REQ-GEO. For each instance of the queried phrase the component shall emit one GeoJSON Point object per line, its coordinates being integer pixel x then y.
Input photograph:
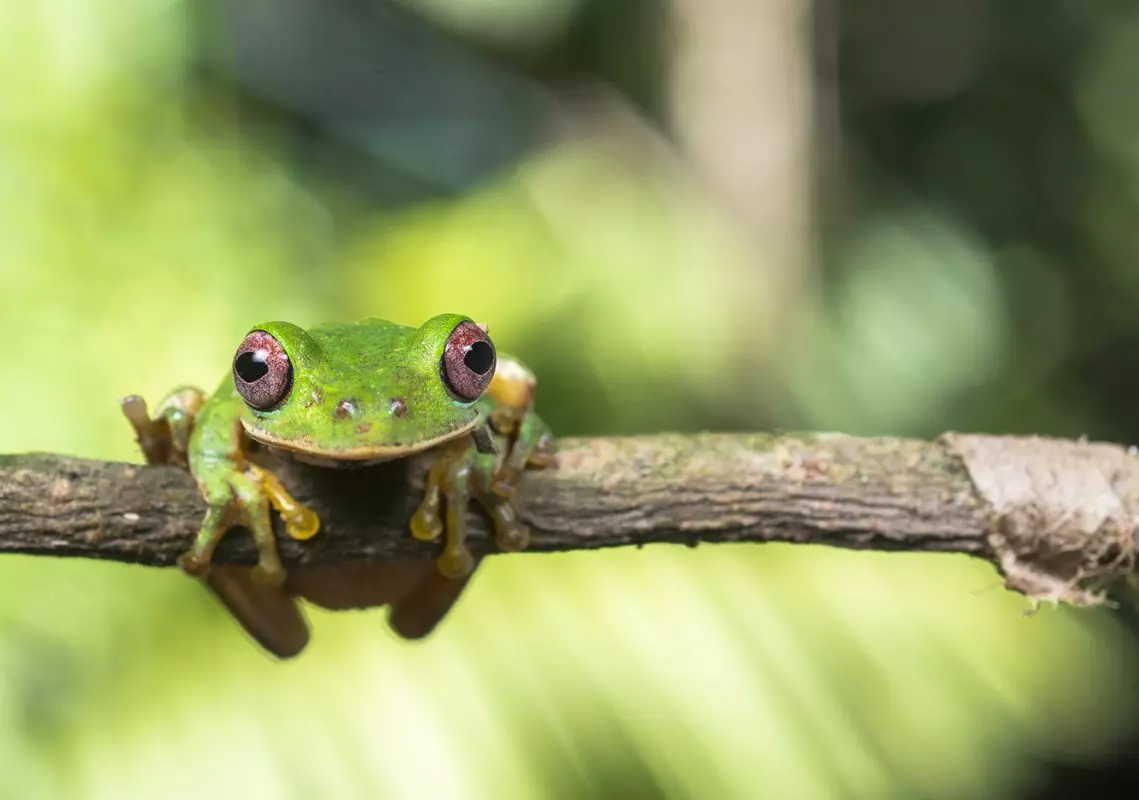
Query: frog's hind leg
{"type": "Point", "coordinates": [238, 492]}
{"type": "Point", "coordinates": [267, 613]}
{"type": "Point", "coordinates": [419, 612]}
{"type": "Point", "coordinates": [464, 472]}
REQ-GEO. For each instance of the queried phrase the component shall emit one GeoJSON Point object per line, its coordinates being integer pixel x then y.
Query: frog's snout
{"type": "Point", "coordinates": [373, 421]}
{"type": "Point", "coordinates": [349, 408]}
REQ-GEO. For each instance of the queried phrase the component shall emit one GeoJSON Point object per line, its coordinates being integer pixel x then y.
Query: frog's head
{"type": "Point", "coordinates": [369, 391]}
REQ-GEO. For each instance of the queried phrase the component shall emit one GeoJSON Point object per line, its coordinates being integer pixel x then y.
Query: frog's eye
{"type": "Point", "coordinates": [262, 371]}
{"type": "Point", "coordinates": [468, 362]}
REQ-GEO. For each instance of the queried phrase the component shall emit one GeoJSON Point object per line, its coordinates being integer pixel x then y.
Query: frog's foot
{"type": "Point", "coordinates": [193, 564]}
{"type": "Point", "coordinates": [532, 448]}
{"type": "Point", "coordinates": [544, 453]}
{"type": "Point", "coordinates": [510, 534]}
{"type": "Point", "coordinates": [244, 496]}
{"type": "Point", "coordinates": [165, 437]}
{"type": "Point", "coordinates": [218, 520]}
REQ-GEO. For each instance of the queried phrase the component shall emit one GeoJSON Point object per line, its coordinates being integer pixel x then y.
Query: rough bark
{"type": "Point", "coordinates": [1057, 518]}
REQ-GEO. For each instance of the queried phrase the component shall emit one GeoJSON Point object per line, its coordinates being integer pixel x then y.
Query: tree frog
{"type": "Point", "coordinates": [345, 394]}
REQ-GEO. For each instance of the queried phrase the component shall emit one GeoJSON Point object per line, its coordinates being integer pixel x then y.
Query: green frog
{"type": "Point", "coordinates": [345, 394]}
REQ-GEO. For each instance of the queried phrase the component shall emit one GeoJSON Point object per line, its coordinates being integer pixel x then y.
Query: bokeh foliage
{"type": "Point", "coordinates": [161, 190]}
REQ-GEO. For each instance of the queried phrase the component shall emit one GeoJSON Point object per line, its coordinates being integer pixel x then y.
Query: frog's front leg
{"type": "Point", "coordinates": [449, 484]}
{"type": "Point", "coordinates": [165, 437]}
{"type": "Point", "coordinates": [234, 490]}
{"type": "Point", "coordinates": [234, 496]}
{"type": "Point", "coordinates": [529, 445]}
{"type": "Point", "coordinates": [463, 473]}
{"type": "Point", "coordinates": [239, 492]}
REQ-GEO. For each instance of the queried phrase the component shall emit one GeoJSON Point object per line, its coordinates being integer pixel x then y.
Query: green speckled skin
{"type": "Point", "coordinates": [361, 392]}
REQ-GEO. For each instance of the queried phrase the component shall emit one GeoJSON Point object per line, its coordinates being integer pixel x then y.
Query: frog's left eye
{"type": "Point", "coordinates": [468, 362]}
{"type": "Point", "coordinates": [262, 372]}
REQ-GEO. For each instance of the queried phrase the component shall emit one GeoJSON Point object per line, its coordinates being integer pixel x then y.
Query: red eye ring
{"type": "Point", "coordinates": [468, 363]}
{"type": "Point", "coordinates": [262, 372]}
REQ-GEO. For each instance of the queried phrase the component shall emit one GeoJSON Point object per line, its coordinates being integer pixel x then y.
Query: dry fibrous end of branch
{"type": "Point", "coordinates": [1057, 518]}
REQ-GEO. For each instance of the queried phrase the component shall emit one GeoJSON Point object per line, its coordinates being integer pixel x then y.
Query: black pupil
{"type": "Point", "coordinates": [251, 365]}
{"type": "Point", "coordinates": [479, 358]}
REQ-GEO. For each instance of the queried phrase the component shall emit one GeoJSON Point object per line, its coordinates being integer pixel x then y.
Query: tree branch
{"type": "Point", "coordinates": [1057, 518]}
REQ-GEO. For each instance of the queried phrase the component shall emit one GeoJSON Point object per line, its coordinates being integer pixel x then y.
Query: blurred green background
{"type": "Point", "coordinates": [878, 217]}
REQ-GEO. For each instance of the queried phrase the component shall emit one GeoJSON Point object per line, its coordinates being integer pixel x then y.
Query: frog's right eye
{"type": "Point", "coordinates": [262, 371]}
{"type": "Point", "coordinates": [468, 362]}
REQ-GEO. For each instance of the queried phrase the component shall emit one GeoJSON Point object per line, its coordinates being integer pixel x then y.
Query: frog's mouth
{"type": "Point", "coordinates": [359, 455]}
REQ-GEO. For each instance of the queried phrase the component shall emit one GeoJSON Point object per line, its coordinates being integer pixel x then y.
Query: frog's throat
{"type": "Point", "coordinates": [371, 453]}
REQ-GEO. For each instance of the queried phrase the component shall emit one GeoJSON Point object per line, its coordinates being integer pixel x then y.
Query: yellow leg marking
{"type": "Point", "coordinates": [456, 561]}
{"type": "Point", "coordinates": [425, 523]}
{"type": "Point", "coordinates": [449, 479]}
{"type": "Point", "coordinates": [301, 522]}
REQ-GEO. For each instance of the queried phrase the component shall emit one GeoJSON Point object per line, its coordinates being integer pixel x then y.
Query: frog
{"type": "Point", "coordinates": [344, 395]}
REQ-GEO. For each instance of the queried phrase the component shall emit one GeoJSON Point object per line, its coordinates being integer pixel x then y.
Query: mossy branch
{"type": "Point", "coordinates": [1057, 518]}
